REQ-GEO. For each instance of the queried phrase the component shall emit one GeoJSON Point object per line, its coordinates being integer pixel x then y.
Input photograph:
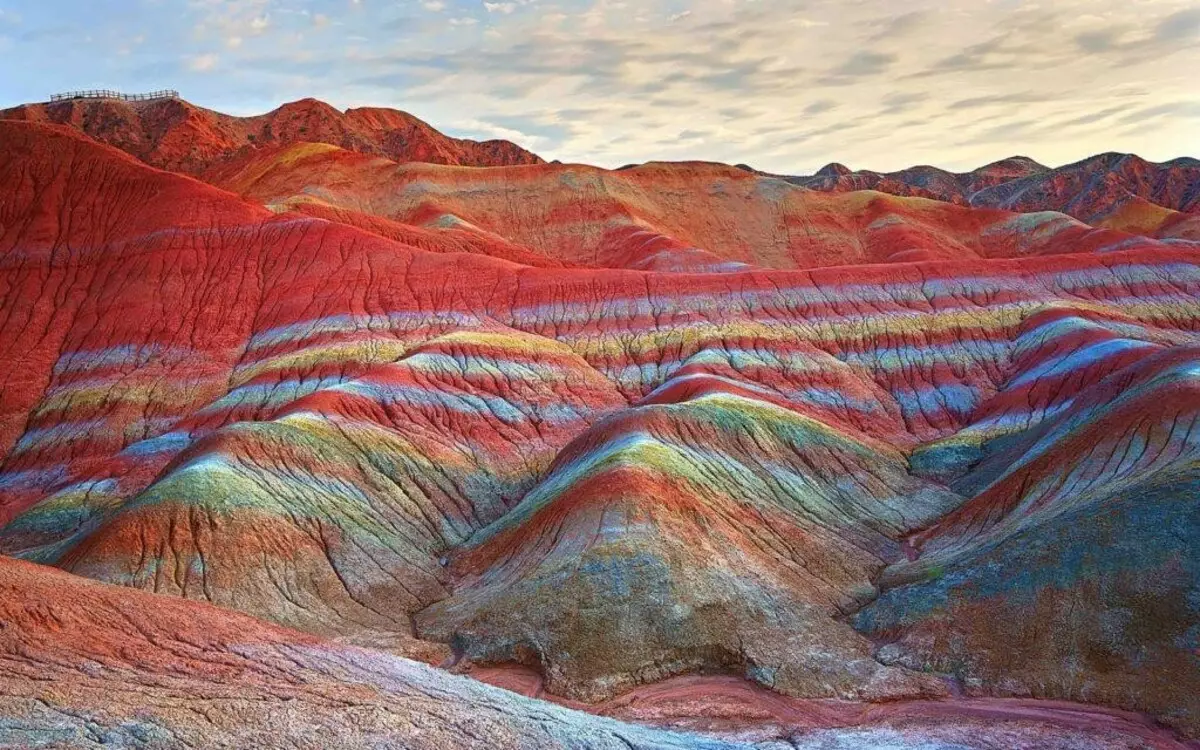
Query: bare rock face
{"type": "Point", "coordinates": [691, 217]}
{"type": "Point", "coordinates": [1118, 191]}
{"type": "Point", "coordinates": [176, 135]}
{"type": "Point", "coordinates": [669, 541]}
{"type": "Point", "coordinates": [88, 665]}
{"type": "Point", "coordinates": [683, 443]}
{"type": "Point", "coordinates": [1086, 521]}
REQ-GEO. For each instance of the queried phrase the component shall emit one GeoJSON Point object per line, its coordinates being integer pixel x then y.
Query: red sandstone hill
{"type": "Point", "coordinates": [1121, 191]}
{"type": "Point", "coordinates": [179, 136]}
{"type": "Point", "coordinates": [660, 216]}
{"type": "Point", "coordinates": [918, 494]}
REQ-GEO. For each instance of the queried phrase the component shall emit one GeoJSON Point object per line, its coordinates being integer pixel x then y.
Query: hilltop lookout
{"type": "Point", "coordinates": [109, 94]}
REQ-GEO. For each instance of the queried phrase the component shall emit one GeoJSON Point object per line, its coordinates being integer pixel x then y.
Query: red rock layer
{"type": "Point", "coordinates": [612, 475]}
{"type": "Point", "coordinates": [1112, 190]}
{"type": "Point", "coordinates": [697, 217]}
{"type": "Point", "coordinates": [84, 664]}
{"type": "Point", "coordinates": [173, 134]}
{"type": "Point", "coordinates": [87, 665]}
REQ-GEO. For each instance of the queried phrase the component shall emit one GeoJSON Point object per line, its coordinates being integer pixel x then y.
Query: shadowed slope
{"type": "Point", "coordinates": [1087, 521]}
{"type": "Point", "coordinates": [88, 665]}
{"type": "Point", "coordinates": [719, 534]}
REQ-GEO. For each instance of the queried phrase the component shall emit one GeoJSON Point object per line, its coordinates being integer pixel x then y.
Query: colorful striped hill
{"type": "Point", "coordinates": [683, 443]}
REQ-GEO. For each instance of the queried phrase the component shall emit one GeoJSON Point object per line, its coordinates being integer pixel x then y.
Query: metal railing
{"type": "Point", "coordinates": [108, 94]}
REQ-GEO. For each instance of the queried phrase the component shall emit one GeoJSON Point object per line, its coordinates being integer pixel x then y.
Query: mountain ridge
{"type": "Point", "coordinates": [179, 136]}
{"type": "Point", "coordinates": [689, 444]}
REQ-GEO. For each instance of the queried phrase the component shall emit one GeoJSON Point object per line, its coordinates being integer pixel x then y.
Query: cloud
{"type": "Point", "coordinates": [1026, 97]}
{"type": "Point", "coordinates": [763, 61]}
{"type": "Point", "coordinates": [864, 64]}
{"type": "Point", "coordinates": [783, 84]}
{"type": "Point", "coordinates": [820, 106]}
{"type": "Point", "coordinates": [1186, 109]}
{"type": "Point", "coordinates": [47, 33]}
{"type": "Point", "coordinates": [1179, 26]}
{"type": "Point", "coordinates": [1003, 130]}
{"type": "Point", "coordinates": [1091, 117]}
{"type": "Point", "coordinates": [900, 102]}
{"type": "Point", "coordinates": [896, 27]}
{"type": "Point", "coordinates": [202, 63]}
{"type": "Point", "coordinates": [1122, 41]}
{"type": "Point", "coordinates": [1098, 41]}
{"type": "Point", "coordinates": [975, 57]}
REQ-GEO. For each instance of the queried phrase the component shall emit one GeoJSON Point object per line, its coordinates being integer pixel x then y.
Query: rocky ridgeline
{"type": "Point", "coordinates": [683, 444]}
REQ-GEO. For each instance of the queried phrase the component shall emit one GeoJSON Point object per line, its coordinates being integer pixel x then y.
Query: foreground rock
{"type": "Point", "coordinates": [86, 665]}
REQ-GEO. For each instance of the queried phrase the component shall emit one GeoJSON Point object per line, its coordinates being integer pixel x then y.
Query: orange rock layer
{"type": "Point", "coordinates": [808, 453]}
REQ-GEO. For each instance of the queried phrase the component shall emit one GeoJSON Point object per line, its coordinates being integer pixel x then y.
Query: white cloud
{"type": "Point", "coordinates": [956, 83]}
{"type": "Point", "coordinates": [202, 63]}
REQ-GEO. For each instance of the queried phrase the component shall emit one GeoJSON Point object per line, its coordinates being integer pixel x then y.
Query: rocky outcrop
{"type": "Point", "coordinates": [666, 217]}
{"type": "Point", "coordinates": [1120, 191]}
{"type": "Point", "coordinates": [885, 481]}
{"type": "Point", "coordinates": [176, 135]}
{"type": "Point", "coordinates": [88, 665]}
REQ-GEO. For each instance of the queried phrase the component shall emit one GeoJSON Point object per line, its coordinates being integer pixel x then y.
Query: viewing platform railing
{"type": "Point", "coordinates": [107, 94]}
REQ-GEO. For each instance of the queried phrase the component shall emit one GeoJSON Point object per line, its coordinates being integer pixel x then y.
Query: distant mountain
{"type": "Point", "coordinates": [1118, 191]}
{"type": "Point", "coordinates": [659, 216]}
{"type": "Point", "coordinates": [175, 135]}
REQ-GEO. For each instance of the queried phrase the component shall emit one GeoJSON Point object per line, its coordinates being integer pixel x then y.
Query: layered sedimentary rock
{"type": "Point", "coordinates": [177, 135]}
{"type": "Point", "coordinates": [718, 531]}
{"type": "Point", "coordinates": [1088, 522]}
{"type": "Point", "coordinates": [472, 416]}
{"type": "Point", "coordinates": [1120, 191]}
{"type": "Point", "coordinates": [88, 665]}
{"type": "Point", "coordinates": [679, 217]}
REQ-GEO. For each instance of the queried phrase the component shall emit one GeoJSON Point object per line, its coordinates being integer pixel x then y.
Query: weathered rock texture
{"type": "Point", "coordinates": [677, 217]}
{"type": "Point", "coordinates": [1120, 191]}
{"type": "Point", "coordinates": [610, 427]}
{"type": "Point", "coordinates": [176, 135]}
{"type": "Point", "coordinates": [88, 665]}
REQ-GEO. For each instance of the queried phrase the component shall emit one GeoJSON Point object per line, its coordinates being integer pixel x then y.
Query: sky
{"type": "Point", "coordinates": [783, 86]}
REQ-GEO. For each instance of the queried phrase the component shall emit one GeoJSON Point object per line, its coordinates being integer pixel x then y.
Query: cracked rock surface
{"type": "Point", "coordinates": [331, 415]}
